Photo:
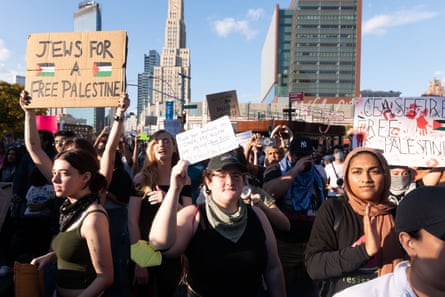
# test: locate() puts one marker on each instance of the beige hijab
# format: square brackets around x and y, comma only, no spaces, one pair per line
[390,252]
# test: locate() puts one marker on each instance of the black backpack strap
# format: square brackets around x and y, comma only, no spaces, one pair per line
[335,171]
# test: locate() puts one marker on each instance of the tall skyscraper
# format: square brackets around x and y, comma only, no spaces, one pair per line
[88,18]
[145,81]
[313,47]
[171,80]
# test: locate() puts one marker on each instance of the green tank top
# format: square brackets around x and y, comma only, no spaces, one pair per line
[74,267]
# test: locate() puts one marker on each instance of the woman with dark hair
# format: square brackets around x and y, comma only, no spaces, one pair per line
[35,145]
[151,184]
[106,162]
[12,160]
[82,248]
[229,246]
[353,239]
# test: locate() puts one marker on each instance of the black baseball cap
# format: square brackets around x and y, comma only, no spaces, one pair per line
[422,208]
[301,145]
[225,160]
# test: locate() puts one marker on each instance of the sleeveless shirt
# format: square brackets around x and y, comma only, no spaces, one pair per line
[74,267]
[216,266]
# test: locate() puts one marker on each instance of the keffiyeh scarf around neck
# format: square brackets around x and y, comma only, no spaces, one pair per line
[230,226]
[70,212]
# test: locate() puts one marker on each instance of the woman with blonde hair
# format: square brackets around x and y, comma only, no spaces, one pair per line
[151,184]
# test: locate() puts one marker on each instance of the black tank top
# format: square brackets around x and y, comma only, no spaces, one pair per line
[217,266]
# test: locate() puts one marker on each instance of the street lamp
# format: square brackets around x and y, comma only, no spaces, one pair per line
[162,88]
[183,77]
[181,100]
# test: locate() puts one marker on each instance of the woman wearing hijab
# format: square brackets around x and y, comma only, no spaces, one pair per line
[420,225]
[353,239]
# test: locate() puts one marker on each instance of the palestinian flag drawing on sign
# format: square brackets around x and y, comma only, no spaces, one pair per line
[46,69]
[439,125]
[101,69]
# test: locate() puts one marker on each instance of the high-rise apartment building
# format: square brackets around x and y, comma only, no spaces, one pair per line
[88,18]
[145,81]
[313,47]
[171,80]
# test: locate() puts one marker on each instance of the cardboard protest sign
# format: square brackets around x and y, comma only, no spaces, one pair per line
[216,138]
[410,131]
[76,69]
[221,104]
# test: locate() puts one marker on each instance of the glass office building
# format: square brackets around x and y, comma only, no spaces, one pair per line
[88,18]
[313,47]
[145,81]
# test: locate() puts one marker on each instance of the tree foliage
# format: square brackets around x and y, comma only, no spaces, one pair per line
[11,114]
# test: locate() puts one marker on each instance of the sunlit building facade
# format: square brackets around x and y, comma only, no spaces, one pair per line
[171,79]
[313,47]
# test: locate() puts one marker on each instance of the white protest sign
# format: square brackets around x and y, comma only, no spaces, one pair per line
[244,137]
[216,138]
[410,131]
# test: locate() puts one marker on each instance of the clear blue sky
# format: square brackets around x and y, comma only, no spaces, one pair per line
[402,44]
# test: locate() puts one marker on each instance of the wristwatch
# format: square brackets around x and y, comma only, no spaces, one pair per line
[118,118]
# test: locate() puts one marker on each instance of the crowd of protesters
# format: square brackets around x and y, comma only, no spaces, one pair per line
[281,216]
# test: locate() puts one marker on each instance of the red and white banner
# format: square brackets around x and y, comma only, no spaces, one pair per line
[296,96]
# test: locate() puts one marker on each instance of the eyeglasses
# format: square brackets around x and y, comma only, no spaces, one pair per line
[235,176]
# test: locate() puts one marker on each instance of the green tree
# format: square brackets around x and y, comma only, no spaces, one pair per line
[11,114]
